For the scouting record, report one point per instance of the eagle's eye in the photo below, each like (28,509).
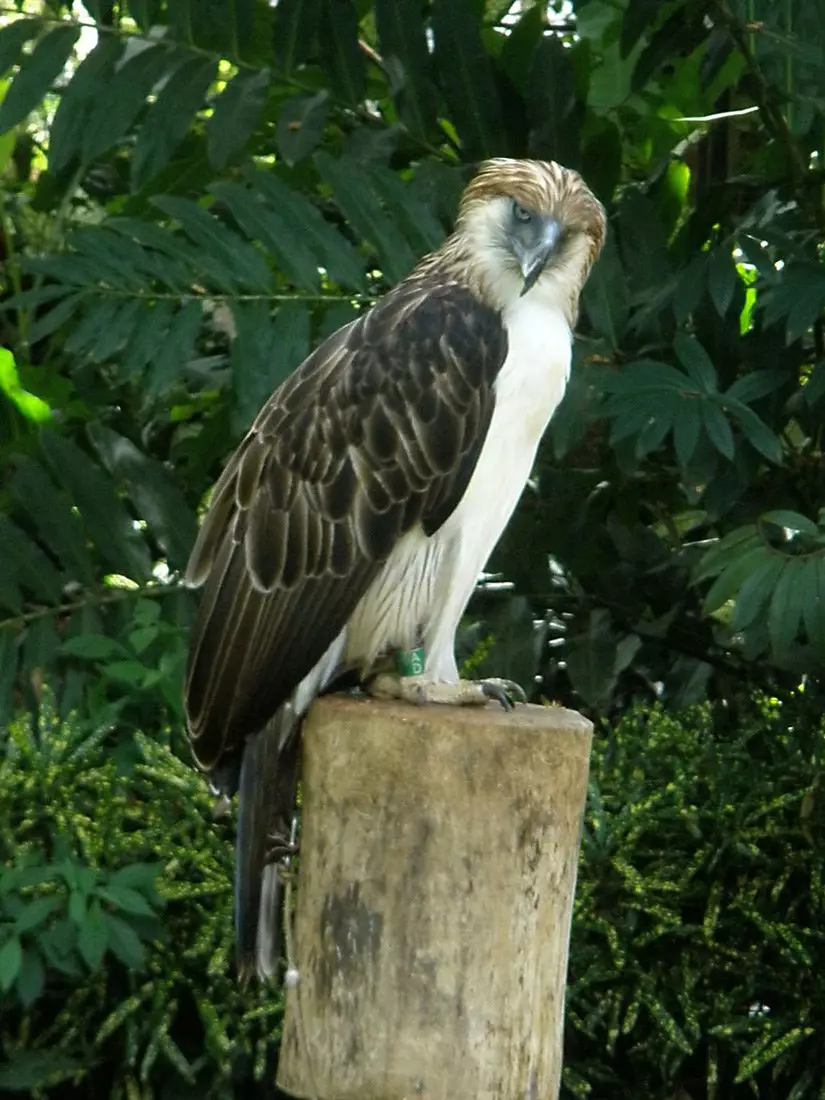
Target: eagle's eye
(521,213)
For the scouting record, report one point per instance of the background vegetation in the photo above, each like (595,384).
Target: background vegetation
(193,193)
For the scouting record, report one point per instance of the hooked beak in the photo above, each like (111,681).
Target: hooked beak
(534,260)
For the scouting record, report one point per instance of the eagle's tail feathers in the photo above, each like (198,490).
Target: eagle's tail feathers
(266,805)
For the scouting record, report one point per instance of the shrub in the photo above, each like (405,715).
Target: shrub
(698,934)
(116,924)
(697,937)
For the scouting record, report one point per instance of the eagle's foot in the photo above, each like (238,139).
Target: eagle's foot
(280,848)
(420,690)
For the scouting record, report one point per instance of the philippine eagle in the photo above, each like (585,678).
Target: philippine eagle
(354,519)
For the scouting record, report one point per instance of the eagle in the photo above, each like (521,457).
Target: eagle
(351,524)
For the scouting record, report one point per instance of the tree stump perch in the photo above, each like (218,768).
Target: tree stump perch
(433,904)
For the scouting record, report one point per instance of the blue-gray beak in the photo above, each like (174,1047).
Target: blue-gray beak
(533,259)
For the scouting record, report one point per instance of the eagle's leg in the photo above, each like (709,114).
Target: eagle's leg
(422,689)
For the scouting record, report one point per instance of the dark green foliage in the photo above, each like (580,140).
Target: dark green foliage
(699,924)
(116,923)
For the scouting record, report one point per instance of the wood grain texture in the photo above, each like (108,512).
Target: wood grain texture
(437,873)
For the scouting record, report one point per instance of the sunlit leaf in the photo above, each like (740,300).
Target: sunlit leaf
(36,73)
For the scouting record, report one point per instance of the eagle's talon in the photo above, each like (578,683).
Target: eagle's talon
(281,848)
(498,692)
(506,692)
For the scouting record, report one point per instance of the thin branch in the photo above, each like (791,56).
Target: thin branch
(93,599)
(208,296)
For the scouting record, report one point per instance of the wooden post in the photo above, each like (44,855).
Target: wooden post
(433,903)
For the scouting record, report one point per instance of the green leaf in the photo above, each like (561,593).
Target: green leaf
(125,97)
(276,232)
(71,119)
(756,431)
(13,37)
(643,243)
(176,349)
(264,354)
(467,79)
(235,115)
(94,647)
(156,497)
(420,225)
(31,978)
(36,74)
(757,590)
(169,118)
(761,1053)
(806,309)
(718,429)
(727,551)
(244,265)
(127,899)
(352,193)
(124,942)
(813,601)
(30,406)
(552,106)
(403,46)
(93,938)
(730,580)
(295,32)
(331,250)
(50,510)
(105,518)
(30,1070)
(11,959)
(640,16)
(35,913)
(686,428)
(28,564)
(345,61)
(605,298)
(140,876)
(301,123)
(794,521)
(696,362)
(151,335)
(54,318)
(722,279)
(591,660)
(754,385)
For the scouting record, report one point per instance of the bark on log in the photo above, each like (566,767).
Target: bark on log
(433,904)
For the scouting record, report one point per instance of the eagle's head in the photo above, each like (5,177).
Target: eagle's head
(530,226)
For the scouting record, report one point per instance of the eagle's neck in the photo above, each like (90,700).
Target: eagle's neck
(478,266)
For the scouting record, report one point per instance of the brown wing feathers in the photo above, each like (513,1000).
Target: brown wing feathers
(378,429)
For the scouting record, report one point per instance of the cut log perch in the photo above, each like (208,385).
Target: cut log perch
(433,902)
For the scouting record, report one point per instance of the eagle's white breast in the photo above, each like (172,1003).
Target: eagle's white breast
(427,582)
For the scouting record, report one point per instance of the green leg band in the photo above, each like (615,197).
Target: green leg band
(410,662)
